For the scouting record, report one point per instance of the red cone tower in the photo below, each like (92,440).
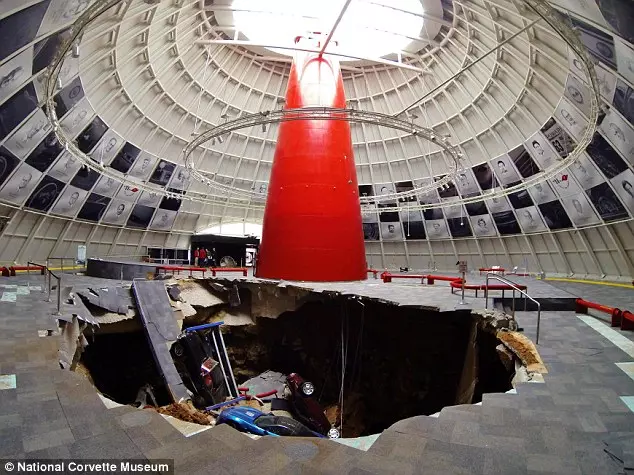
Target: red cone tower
(312,221)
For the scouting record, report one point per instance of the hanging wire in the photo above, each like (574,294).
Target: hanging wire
(202,90)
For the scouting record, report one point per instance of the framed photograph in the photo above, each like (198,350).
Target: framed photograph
(128,192)
(506,223)
(520,199)
(140,216)
(15,72)
(28,135)
(523,161)
(77,118)
(454,211)
(620,16)
(585,172)
(151,199)
(162,173)
(125,159)
(605,157)
(370,231)
(459,227)
(483,225)
(564,184)
(8,162)
(599,44)
(117,212)
(17,108)
(411,216)
(624,100)
(70,201)
(402,187)
(163,220)
(542,151)
(555,215)
(607,203)
(387,213)
(107,186)
(384,189)
(476,208)
(579,210)
(365,191)
(467,183)
(624,186)
(91,135)
(574,122)
(607,83)
(18,188)
(504,170)
(391,231)
(180,178)
(108,147)
(542,193)
(530,220)
(437,229)
(620,134)
(484,176)
(578,94)
(369,213)
(23,26)
(65,167)
(498,204)
(45,194)
(414,230)
(94,207)
(558,138)
(68,97)
(85,178)
(60,13)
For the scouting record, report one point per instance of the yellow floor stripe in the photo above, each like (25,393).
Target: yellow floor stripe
(51,268)
(593,282)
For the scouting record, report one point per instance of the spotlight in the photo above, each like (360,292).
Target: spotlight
(220,139)
(76,50)
(213,141)
(263,127)
(59,83)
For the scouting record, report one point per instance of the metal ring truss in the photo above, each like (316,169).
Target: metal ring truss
(326,113)
(241,197)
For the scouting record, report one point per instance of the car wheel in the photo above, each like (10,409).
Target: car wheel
(334,433)
(307,388)
(178,349)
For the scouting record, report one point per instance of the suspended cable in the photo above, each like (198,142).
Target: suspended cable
(202,89)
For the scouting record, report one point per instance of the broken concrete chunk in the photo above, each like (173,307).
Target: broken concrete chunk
(524,349)
(174,292)
(198,294)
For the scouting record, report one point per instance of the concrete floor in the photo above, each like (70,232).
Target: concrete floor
(562,426)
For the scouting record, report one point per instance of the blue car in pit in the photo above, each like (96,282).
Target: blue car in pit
(247,419)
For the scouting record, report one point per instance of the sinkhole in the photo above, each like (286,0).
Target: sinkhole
(384,362)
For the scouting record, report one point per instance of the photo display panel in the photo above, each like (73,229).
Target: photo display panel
(578,94)
(620,134)
(61,12)
(504,170)
(476,208)
(365,191)
(44,50)
(483,225)
(163,220)
(77,118)
(91,135)
(149,199)
(128,192)
(65,167)
(94,207)
(28,135)
(530,220)
(8,162)
(391,231)
(68,97)
(140,216)
(466,182)
(371,215)
(585,172)
(484,176)
(620,16)
(436,229)
(450,192)
(600,45)
(387,216)
(414,230)
(605,157)
(520,199)
(21,28)
(162,173)
(624,100)
(85,178)
(172,204)
(70,201)
(558,138)
(117,212)
(564,184)
(579,210)
(624,186)
(542,193)
(384,189)
(607,203)
(606,82)
(459,227)
(181,179)
(126,157)
(21,184)
(574,122)
(506,223)
(14,73)
(17,108)
(107,148)
(453,211)
(45,153)
(555,215)
(106,186)
(523,162)
(45,194)
(402,187)
(371,231)
(498,204)
(625,58)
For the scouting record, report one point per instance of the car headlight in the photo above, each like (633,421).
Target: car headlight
(307,388)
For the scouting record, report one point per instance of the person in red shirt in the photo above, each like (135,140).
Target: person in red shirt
(203,257)
(196,256)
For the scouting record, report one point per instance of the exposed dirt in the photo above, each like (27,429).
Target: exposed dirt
(186,413)
(524,349)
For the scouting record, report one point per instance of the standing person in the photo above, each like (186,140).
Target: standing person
(203,257)
(196,256)
(214,257)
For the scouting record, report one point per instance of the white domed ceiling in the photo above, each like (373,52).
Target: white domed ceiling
(492,78)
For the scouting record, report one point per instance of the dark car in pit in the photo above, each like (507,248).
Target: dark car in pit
(305,407)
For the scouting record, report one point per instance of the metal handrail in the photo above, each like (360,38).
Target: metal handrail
(514,286)
(48,274)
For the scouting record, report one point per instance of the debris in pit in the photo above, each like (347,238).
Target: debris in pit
(174,292)
(186,413)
